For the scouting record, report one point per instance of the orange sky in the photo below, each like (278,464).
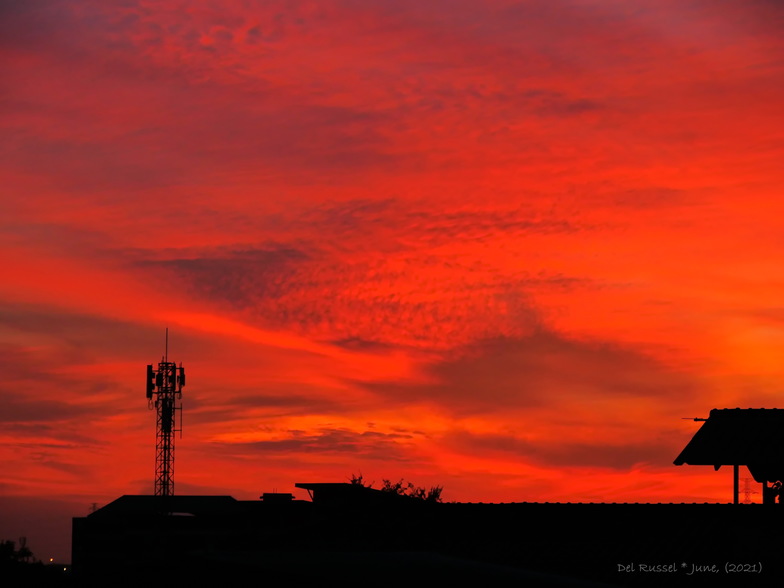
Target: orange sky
(495,245)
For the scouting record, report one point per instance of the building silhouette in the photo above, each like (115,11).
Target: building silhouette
(751,437)
(354,535)
(357,536)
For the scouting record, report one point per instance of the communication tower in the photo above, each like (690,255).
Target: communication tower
(164,394)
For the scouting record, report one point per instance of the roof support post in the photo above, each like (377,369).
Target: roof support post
(735,484)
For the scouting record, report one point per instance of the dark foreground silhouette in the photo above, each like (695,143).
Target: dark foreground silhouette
(360,536)
(351,534)
(19,567)
(750,437)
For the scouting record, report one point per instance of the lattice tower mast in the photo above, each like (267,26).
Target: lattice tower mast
(164,394)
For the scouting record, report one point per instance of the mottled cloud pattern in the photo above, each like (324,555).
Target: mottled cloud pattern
(501,246)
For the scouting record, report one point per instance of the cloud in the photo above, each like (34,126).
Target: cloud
(263,403)
(50,433)
(159,101)
(555,103)
(239,277)
(329,441)
(654,199)
(406,266)
(45,407)
(17,410)
(544,370)
(192,105)
(423,206)
(618,454)
(80,335)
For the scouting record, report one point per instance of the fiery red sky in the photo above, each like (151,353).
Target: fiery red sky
(495,245)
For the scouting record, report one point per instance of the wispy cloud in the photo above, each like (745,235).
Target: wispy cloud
(544,369)
(520,239)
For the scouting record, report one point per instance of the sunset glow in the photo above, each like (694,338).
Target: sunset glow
(500,246)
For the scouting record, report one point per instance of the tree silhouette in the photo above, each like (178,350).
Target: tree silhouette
(359,481)
(10,555)
(403,488)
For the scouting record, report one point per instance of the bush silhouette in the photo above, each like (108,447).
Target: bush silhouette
(403,488)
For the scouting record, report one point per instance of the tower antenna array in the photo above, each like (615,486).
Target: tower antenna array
(164,394)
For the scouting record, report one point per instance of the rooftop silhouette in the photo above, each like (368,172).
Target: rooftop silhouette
(350,530)
(751,437)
